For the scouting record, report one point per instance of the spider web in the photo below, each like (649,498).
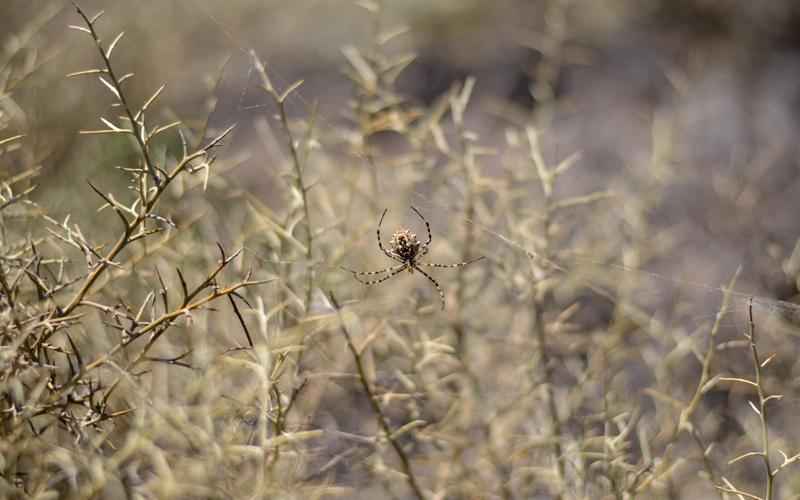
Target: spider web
(652,289)
(646,288)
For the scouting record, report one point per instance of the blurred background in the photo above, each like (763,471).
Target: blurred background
(679,120)
(721,75)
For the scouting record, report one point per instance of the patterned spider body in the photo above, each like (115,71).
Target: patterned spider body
(406,247)
(406,250)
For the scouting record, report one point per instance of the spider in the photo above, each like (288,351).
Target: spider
(405,248)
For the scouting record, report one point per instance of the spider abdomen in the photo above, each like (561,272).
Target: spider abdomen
(405,245)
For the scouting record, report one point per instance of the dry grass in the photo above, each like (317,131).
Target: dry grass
(178,324)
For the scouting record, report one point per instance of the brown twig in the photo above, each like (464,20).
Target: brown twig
(137,130)
(383,421)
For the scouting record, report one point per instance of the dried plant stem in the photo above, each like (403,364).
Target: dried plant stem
(763,399)
(486,428)
(383,421)
(466,160)
(761,410)
(684,422)
(130,233)
(369,155)
(538,306)
(707,464)
(158,326)
(705,383)
(549,379)
(297,164)
(137,130)
(133,229)
(298,171)
(280,101)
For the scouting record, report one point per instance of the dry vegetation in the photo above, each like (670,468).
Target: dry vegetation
(175,321)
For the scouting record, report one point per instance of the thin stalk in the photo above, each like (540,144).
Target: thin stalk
(301,186)
(137,130)
(538,306)
(469,237)
(383,421)
(297,164)
(762,402)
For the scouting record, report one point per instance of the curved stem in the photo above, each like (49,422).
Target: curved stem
(383,421)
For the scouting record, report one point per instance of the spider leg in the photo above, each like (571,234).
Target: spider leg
(427,227)
(393,271)
(369,273)
(450,266)
(380,243)
(424,250)
(435,283)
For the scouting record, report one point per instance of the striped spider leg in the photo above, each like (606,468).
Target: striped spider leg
(444,266)
(391,270)
(406,249)
(452,266)
(380,242)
